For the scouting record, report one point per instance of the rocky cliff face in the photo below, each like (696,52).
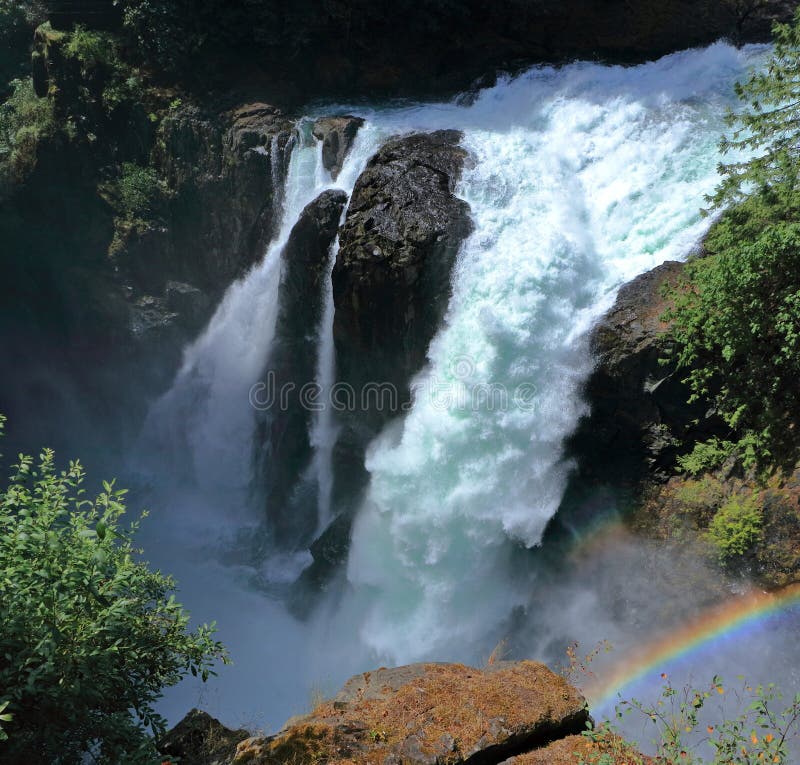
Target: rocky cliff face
(225,175)
(639,410)
(103,299)
(458,714)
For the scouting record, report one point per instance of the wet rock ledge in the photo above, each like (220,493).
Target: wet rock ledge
(420,714)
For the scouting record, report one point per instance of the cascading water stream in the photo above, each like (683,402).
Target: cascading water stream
(324,431)
(582,177)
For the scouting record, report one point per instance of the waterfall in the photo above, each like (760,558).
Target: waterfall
(205,423)
(582,177)
(325,431)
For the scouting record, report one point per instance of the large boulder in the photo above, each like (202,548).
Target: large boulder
(292,369)
(337,135)
(639,409)
(430,714)
(391,280)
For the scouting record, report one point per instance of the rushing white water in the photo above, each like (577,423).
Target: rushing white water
(325,431)
(582,178)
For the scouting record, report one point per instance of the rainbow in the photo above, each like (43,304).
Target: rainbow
(719,621)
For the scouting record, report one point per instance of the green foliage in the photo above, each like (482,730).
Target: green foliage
(137,193)
(769,128)
(706,455)
(17,22)
(25,120)
(92,48)
(757,732)
(737,326)
(736,319)
(90,634)
(736,526)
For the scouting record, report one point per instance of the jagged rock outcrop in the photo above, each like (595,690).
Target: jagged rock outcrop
(639,409)
(397,247)
(337,135)
(226,175)
(292,370)
(199,739)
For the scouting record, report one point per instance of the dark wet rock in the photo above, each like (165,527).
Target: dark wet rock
(337,135)
(639,410)
(391,280)
(292,371)
(199,739)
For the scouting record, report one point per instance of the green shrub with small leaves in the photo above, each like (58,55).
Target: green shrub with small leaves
(91,635)
(138,192)
(736,526)
(25,120)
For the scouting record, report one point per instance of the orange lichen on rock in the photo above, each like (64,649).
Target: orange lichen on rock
(430,713)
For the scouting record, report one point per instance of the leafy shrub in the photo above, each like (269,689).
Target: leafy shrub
(137,193)
(91,48)
(25,120)
(706,455)
(90,634)
(737,327)
(759,730)
(736,527)
(737,318)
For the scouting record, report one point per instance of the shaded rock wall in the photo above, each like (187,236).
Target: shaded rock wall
(371,48)
(639,410)
(94,315)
